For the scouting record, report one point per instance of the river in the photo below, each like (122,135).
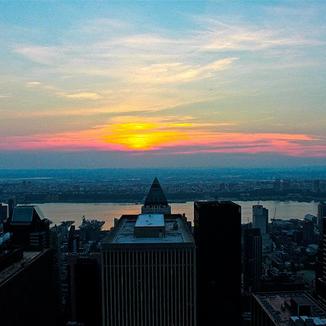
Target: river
(58,212)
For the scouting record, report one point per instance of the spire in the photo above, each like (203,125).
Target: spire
(156,195)
(155,201)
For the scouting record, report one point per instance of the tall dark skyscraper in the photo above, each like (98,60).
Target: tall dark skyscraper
(217,232)
(252,260)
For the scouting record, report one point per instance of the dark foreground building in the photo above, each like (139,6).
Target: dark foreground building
(148,270)
(85,289)
(27,289)
(217,232)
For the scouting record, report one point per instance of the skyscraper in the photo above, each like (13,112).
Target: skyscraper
(155,201)
(217,232)
(260,218)
(320,215)
(252,259)
(148,272)
(321,266)
(3,212)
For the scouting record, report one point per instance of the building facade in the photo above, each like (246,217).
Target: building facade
(148,272)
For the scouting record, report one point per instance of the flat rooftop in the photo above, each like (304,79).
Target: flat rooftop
(274,305)
(176,230)
(150,220)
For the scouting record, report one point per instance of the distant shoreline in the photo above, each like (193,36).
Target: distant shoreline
(171,202)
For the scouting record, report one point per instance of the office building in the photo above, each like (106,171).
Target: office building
(286,309)
(217,231)
(155,201)
(260,218)
(148,272)
(252,260)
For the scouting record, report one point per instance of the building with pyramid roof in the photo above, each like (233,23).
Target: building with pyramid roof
(155,201)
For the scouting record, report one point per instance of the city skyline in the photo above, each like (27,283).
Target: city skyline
(121,84)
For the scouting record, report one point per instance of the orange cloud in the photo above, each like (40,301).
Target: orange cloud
(169,136)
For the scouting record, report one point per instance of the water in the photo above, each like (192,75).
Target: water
(58,212)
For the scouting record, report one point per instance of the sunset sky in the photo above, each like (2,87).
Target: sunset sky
(162,83)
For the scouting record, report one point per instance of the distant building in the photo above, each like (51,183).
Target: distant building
(217,231)
(260,218)
(321,214)
(308,232)
(155,201)
(11,206)
(148,272)
(252,260)
(73,240)
(3,212)
(260,221)
(321,266)
(29,227)
(311,218)
(28,295)
(286,309)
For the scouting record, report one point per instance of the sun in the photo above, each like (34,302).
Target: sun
(142,136)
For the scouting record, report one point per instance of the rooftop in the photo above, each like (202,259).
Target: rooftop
(176,230)
(24,214)
(150,220)
(278,305)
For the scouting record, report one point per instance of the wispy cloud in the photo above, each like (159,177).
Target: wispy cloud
(180,73)
(82,96)
(40,54)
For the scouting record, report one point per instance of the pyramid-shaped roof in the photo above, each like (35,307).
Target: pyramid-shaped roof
(155,196)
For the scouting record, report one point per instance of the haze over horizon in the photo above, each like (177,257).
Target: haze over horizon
(164,83)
